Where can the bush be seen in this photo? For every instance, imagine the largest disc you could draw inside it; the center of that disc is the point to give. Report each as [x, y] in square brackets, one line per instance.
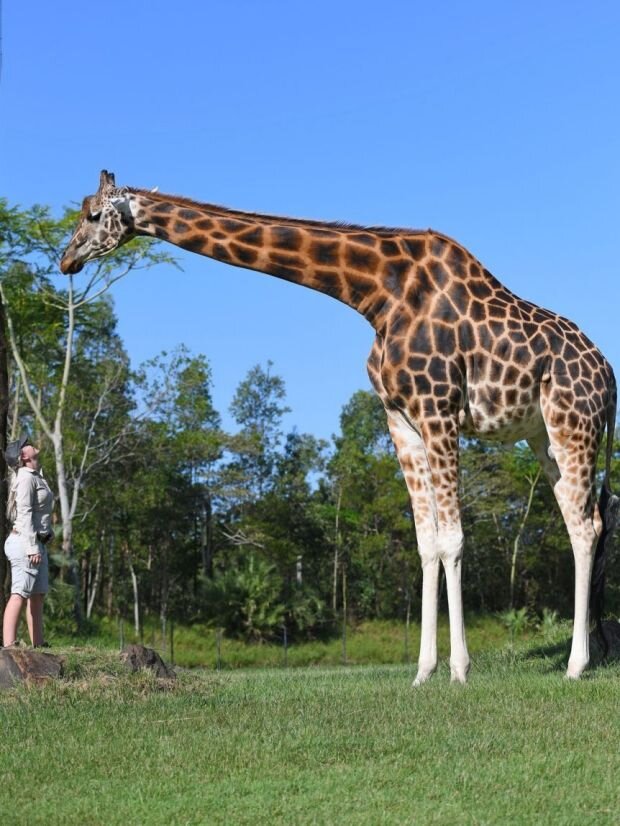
[249, 601]
[244, 600]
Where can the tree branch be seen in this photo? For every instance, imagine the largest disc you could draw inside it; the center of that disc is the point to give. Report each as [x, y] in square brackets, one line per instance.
[23, 373]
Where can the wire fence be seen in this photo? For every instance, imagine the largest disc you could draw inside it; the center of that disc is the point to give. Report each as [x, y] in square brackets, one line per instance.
[164, 644]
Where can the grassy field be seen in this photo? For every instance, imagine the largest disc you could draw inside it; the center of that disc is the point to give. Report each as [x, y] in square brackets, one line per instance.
[323, 745]
[371, 643]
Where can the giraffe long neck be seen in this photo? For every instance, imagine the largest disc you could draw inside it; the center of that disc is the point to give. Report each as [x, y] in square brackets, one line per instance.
[354, 265]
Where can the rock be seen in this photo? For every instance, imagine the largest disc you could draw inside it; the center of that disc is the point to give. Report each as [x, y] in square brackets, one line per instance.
[19, 665]
[137, 657]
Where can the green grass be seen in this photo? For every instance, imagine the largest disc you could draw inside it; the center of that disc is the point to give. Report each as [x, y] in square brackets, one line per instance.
[370, 643]
[517, 745]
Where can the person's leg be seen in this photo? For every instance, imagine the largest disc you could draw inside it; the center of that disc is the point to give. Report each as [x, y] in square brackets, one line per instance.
[11, 619]
[34, 618]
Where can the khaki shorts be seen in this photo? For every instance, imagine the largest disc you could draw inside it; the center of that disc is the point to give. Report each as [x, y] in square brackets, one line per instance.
[26, 579]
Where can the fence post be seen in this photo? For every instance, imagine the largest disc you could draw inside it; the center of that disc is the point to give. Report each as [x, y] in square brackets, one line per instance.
[285, 639]
[218, 648]
[344, 614]
[407, 624]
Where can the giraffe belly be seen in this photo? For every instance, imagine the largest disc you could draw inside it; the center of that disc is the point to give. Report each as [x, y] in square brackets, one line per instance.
[508, 424]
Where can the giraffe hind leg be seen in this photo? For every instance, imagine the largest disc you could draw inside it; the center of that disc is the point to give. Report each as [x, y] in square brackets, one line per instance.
[571, 474]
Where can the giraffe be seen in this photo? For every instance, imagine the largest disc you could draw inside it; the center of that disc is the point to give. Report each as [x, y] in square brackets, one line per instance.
[455, 352]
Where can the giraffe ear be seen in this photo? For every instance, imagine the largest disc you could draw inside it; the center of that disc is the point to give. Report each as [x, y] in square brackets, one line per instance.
[106, 180]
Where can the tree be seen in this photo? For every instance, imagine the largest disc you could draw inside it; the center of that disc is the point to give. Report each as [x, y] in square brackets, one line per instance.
[258, 408]
[289, 522]
[30, 246]
[373, 533]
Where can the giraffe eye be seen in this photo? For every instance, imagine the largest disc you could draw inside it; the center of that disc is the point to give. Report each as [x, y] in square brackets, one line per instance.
[94, 216]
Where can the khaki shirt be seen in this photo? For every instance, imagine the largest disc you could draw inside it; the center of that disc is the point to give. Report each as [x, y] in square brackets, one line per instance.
[34, 503]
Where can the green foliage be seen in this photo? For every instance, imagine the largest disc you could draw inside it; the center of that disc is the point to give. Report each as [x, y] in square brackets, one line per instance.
[373, 511]
[59, 605]
[516, 621]
[549, 625]
[258, 408]
[244, 600]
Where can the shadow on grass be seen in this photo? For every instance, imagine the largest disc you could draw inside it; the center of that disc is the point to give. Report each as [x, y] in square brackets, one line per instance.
[556, 652]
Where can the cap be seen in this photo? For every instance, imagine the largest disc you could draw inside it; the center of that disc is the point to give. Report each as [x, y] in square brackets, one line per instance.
[14, 449]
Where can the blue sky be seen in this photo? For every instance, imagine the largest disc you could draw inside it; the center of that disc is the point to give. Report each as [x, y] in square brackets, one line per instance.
[497, 123]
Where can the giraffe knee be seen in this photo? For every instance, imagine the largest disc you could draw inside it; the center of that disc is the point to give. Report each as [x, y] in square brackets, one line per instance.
[428, 556]
[427, 548]
[450, 546]
[584, 538]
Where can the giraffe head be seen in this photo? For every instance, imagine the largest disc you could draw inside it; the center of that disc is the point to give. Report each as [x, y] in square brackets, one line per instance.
[105, 224]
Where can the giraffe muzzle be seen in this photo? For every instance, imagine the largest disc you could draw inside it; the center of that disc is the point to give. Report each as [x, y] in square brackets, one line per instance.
[69, 265]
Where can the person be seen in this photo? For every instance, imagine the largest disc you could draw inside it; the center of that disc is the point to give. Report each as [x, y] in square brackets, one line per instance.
[30, 505]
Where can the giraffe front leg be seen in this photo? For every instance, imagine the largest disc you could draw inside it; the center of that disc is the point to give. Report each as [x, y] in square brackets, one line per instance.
[427, 661]
[413, 459]
[443, 458]
[450, 546]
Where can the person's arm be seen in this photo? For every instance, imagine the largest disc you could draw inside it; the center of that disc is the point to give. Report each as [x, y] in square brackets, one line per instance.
[24, 523]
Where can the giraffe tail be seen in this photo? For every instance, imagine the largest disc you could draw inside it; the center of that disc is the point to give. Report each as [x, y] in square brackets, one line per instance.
[609, 508]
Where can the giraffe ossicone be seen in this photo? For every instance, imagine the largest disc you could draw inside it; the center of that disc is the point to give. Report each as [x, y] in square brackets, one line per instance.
[455, 352]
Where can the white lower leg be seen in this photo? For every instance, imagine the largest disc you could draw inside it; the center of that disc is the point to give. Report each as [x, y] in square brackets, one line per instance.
[451, 551]
[584, 537]
[459, 656]
[427, 662]
[413, 458]
[580, 648]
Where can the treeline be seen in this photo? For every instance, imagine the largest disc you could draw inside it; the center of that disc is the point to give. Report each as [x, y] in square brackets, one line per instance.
[162, 513]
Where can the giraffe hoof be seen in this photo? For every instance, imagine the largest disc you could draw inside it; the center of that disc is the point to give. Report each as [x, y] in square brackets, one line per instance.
[575, 669]
[458, 676]
[423, 676]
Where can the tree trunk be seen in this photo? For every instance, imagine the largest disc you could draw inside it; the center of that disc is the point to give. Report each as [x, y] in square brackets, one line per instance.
[517, 540]
[134, 586]
[15, 417]
[86, 579]
[163, 605]
[207, 535]
[344, 613]
[111, 577]
[67, 528]
[96, 582]
[336, 553]
[136, 601]
[407, 623]
[4, 410]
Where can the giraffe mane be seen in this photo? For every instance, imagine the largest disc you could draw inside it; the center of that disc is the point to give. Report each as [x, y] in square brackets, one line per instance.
[340, 226]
